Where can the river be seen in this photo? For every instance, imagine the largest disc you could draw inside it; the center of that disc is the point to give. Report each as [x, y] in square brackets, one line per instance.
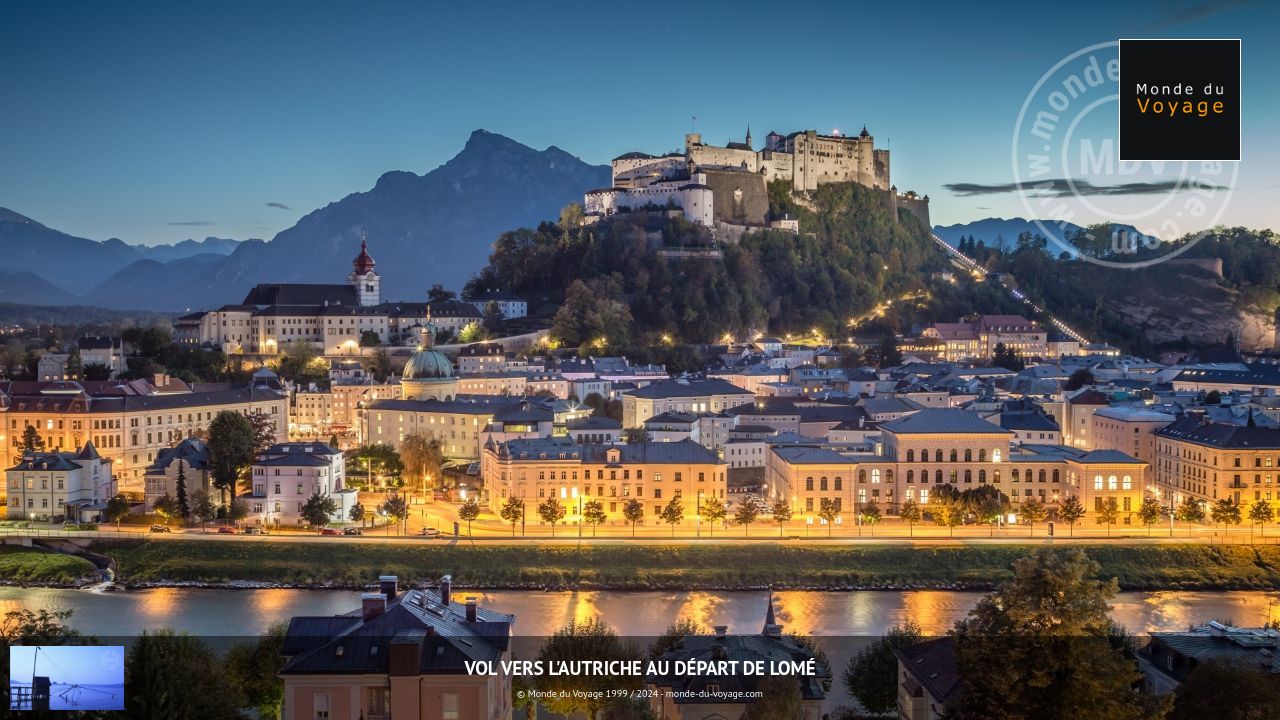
[248, 612]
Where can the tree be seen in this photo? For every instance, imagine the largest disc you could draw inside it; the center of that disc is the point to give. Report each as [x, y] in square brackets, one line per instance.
[97, 372]
[437, 294]
[184, 509]
[117, 507]
[673, 513]
[381, 456]
[633, 512]
[1071, 512]
[780, 699]
[594, 515]
[1150, 512]
[166, 507]
[1006, 357]
[356, 513]
[264, 431]
[871, 515]
[829, 510]
[469, 511]
[634, 436]
[910, 514]
[202, 506]
[39, 627]
[1223, 690]
[75, 366]
[396, 507]
[1261, 513]
[584, 693]
[890, 355]
[513, 512]
[422, 456]
[380, 364]
[251, 667]
[1227, 512]
[171, 675]
[1213, 397]
[714, 512]
[318, 510]
[494, 321]
[1042, 645]
[551, 511]
[1190, 511]
[781, 512]
[872, 674]
[747, 512]
[1108, 513]
[231, 448]
[1032, 511]
[1079, 379]
[473, 332]
[237, 510]
[987, 503]
[31, 441]
[369, 338]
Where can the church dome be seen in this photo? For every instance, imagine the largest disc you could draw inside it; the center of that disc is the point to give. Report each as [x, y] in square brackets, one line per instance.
[363, 263]
[427, 364]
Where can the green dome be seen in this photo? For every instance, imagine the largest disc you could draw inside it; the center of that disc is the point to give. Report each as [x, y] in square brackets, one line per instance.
[427, 364]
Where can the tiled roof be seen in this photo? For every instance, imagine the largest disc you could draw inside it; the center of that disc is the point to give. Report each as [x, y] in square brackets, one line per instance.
[932, 663]
[301, 294]
[1222, 435]
[455, 407]
[693, 388]
[1109, 456]
[942, 420]
[47, 461]
[593, 422]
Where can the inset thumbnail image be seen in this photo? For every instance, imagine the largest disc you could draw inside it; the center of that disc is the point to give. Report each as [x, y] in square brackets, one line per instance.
[66, 677]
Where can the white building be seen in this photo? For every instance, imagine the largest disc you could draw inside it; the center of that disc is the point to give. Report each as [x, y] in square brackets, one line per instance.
[287, 474]
[104, 351]
[43, 486]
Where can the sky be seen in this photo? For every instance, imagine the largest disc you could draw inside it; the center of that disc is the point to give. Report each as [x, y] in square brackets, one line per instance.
[68, 664]
[155, 122]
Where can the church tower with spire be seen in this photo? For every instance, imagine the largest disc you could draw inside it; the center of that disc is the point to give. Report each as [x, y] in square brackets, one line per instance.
[368, 284]
[749, 145]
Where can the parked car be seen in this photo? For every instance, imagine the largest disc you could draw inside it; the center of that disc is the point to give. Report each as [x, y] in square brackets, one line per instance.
[429, 532]
[257, 530]
[226, 530]
[160, 529]
[352, 531]
[329, 531]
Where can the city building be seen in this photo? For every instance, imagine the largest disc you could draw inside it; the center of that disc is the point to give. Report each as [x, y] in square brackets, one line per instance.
[701, 696]
[509, 305]
[401, 655]
[46, 485]
[191, 458]
[1129, 428]
[688, 396]
[128, 423]
[1208, 461]
[594, 429]
[928, 678]
[106, 352]
[977, 338]
[459, 424]
[651, 472]
[1170, 657]
[316, 412]
[482, 357]
[285, 475]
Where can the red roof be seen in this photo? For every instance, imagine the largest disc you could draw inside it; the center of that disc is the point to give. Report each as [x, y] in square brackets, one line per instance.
[363, 263]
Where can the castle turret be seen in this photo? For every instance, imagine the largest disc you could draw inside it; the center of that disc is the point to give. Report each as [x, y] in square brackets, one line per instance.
[368, 284]
[749, 136]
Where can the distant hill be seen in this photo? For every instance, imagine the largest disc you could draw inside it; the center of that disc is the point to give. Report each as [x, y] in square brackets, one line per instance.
[422, 229]
[188, 248]
[991, 230]
[21, 286]
[150, 284]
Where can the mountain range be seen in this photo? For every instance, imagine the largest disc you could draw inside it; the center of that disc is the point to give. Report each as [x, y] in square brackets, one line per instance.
[422, 229]
[992, 230]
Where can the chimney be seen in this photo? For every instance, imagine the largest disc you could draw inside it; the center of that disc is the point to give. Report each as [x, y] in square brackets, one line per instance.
[372, 605]
[471, 609]
[446, 590]
[389, 585]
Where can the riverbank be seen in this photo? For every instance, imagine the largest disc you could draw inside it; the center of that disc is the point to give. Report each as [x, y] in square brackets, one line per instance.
[27, 566]
[142, 563]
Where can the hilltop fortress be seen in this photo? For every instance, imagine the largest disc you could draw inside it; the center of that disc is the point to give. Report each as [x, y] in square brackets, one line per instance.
[725, 188]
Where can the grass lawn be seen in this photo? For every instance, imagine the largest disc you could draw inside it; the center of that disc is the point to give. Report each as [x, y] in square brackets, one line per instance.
[642, 567]
[19, 564]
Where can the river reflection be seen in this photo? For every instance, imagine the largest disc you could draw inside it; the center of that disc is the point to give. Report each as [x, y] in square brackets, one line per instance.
[247, 612]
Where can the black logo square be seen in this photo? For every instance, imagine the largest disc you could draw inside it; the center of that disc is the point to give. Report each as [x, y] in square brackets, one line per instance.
[1180, 100]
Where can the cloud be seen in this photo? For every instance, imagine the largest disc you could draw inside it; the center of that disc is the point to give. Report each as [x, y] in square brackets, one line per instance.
[280, 205]
[1196, 12]
[192, 223]
[1060, 187]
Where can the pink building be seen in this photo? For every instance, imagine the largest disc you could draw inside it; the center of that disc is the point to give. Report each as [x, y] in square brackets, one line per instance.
[400, 655]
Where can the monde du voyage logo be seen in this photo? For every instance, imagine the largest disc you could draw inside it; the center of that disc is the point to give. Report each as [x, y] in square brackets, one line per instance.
[1180, 100]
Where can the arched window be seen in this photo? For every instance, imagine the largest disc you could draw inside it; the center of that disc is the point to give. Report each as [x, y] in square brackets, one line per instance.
[1056, 476]
[1128, 483]
[911, 476]
[808, 483]
[968, 455]
[968, 476]
[937, 455]
[1015, 474]
[954, 456]
[1097, 482]
[951, 477]
[862, 476]
[937, 477]
[995, 456]
[982, 455]
[911, 456]
[995, 476]
[1041, 474]
[1111, 482]
[875, 475]
[839, 484]
[822, 483]
[888, 476]
[982, 476]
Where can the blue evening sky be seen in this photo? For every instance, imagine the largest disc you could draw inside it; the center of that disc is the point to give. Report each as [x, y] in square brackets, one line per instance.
[154, 122]
[68, 664]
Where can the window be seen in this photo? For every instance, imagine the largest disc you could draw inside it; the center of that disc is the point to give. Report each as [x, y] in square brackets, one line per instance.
[449, 706]
[1097, 482]
[320, 706]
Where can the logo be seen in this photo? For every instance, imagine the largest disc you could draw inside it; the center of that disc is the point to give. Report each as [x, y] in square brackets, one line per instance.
[1088, 202]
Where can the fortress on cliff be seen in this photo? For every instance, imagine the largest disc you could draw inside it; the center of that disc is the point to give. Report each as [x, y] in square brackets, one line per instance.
[725, 188]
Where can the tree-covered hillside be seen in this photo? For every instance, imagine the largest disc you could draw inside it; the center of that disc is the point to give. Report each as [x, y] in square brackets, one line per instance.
[617, 284]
